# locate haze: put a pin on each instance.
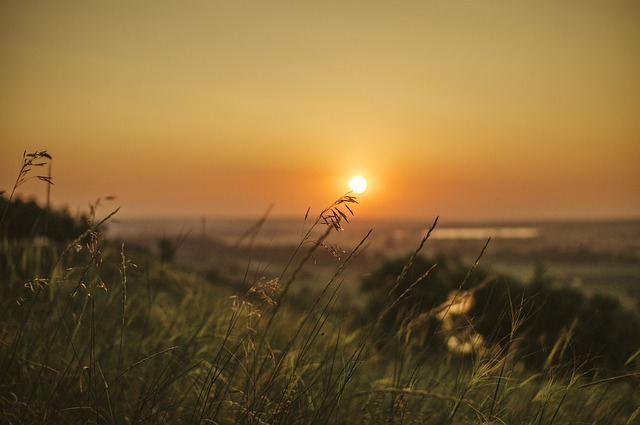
(470, 110)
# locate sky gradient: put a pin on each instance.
(471, 110)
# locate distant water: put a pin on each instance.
(495, 232)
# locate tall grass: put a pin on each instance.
(83, 342)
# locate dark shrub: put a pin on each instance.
(591, 332)
(447, 276)
(25, 219)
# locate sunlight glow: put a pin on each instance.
(358, 184)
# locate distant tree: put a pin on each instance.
(168, 248)
(25, 219)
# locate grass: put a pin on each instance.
(99, 332)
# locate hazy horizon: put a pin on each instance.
(106, 206)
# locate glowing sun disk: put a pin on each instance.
(358, 184)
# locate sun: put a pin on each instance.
(357, 184)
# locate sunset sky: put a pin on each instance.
(474, 110)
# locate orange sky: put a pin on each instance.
(470, 110)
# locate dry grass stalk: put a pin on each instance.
(29, 161)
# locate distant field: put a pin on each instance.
(597, 256)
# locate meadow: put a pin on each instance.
(99, 330)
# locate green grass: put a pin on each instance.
(95, 339)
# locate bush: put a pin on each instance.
(381, 286)
(555, 325)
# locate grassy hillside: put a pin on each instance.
(94, 331)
